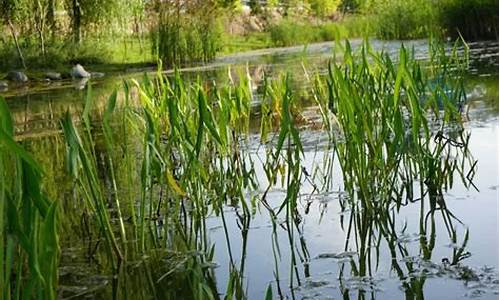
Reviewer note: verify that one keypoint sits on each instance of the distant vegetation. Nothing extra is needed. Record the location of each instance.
(395, 19)
(54, 33)
(188, 32)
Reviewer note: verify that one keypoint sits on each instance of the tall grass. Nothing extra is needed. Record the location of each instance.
(398, 19)
(29, 247)
(290, 32)
(186, 34)
(397, 120)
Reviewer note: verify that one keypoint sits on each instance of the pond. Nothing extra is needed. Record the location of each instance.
(335, 250)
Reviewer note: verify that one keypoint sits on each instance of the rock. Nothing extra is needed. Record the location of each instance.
(79, 72)
(97, 74)
(254, 24)
(3, 85)
(53, 76)
(246, 10)
(17, 76)
(275, 17)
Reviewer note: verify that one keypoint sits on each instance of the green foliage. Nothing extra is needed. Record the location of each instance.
(89, 15)
(289, 32)
(384, 111)
(191, 35)
(35, 33)
(352, 5)
(29, 246)
(57, 55)
(399, 19)
(251, 41)
(358, 25)
(473, 19)
(324, 8)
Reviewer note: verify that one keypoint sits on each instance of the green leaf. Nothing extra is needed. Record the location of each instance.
(5, 118)
(269, 292)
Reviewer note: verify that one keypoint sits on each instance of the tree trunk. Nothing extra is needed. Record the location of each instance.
(51, 17)
(40, 25)
(77, 21)
(13, 32)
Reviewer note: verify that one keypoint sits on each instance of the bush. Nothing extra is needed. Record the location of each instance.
(357, 25)
(290, 32)
(324, 8)
(192, 36)
(401, 19)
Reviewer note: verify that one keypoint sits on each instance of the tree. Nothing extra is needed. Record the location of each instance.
(324, 8)
(84, 13)
(8, 13)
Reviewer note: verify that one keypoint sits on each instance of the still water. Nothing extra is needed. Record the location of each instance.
(328, 249)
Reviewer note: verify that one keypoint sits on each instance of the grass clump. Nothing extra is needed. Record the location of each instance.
(186, 34)
(396, 121)
(57, 55)
(397, 19)
(291, 32)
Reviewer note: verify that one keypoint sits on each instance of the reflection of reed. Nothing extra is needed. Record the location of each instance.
(367, 233)
(38, 117)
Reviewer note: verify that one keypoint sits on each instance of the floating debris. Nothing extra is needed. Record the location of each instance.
(341, 255)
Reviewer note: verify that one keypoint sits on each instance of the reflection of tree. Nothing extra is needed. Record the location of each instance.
(38, 115)
(482, 100)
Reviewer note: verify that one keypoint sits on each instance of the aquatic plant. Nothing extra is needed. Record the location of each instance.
(396, 131)
(163, 155)
(29, 247)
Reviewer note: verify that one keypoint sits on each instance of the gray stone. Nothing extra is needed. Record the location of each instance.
(254, 24)
(3, 85)
(53, 76)
(17, 76)
(97, 74)
(79, 72)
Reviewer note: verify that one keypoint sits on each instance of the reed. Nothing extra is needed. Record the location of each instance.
(29, 246)
(393, 125)
(186, 33)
